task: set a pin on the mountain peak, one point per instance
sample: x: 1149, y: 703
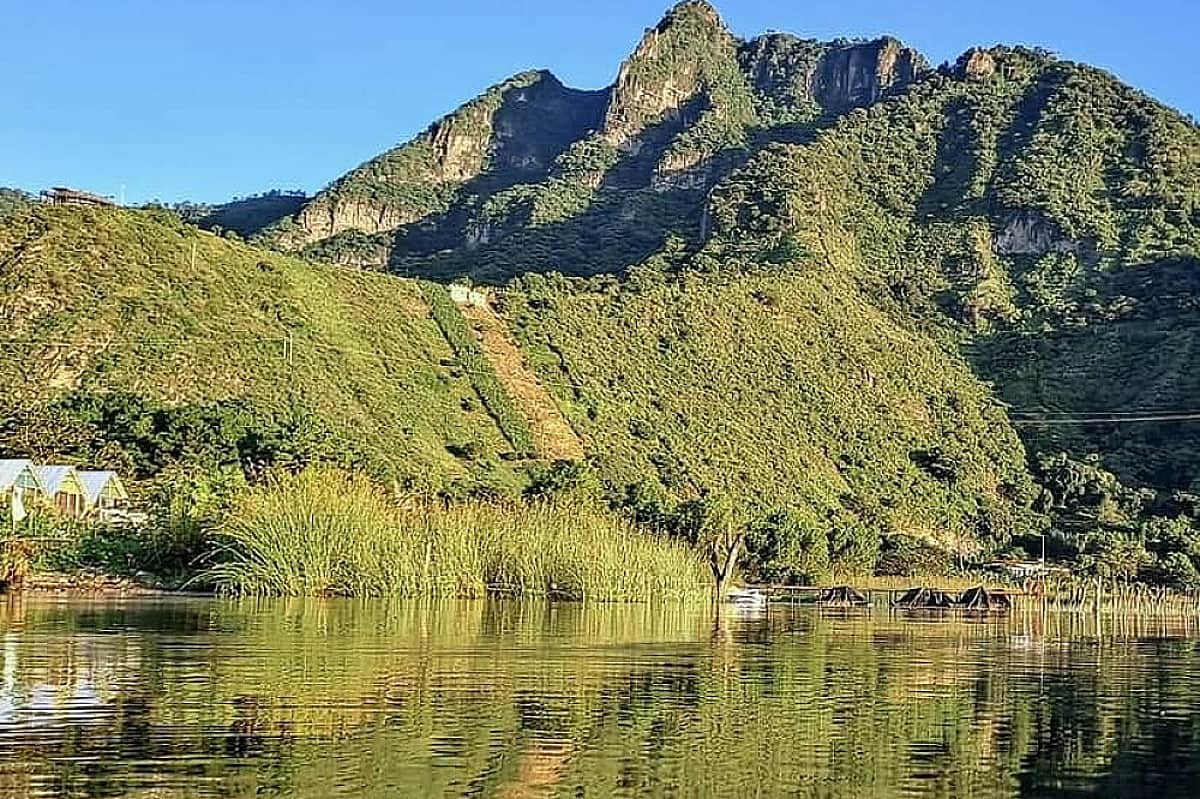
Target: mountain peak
x: 700, y: 10
x: 673, y: 62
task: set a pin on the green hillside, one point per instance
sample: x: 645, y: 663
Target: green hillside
x: 139, y: 342
x: 131, y: 336
x: 784, y: 389
x: 12, y: 200
x: 862, y: 302
x: 248, y: 216
x: 1037, y: 213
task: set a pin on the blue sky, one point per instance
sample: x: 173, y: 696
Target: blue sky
x: 205, y: 100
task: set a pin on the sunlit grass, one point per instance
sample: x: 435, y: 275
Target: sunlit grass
x: 325, y: 533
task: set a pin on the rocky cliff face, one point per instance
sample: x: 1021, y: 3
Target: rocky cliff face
x: 857, y: 75
x: 688, y: 99
x: 330, y: 215
x: 683, y: 56
x: 976, y: 65
x: 1030, y: 233
x: 783, y: 67
x: 511, y: 133
x: 539, y: 122
x: 832, y: 76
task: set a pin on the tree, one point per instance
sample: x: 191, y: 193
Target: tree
x: 712, y: 524
x: 1180, y: 571
x: 1114, y: 556
x: 790, y: 546
x: 1166, y: 535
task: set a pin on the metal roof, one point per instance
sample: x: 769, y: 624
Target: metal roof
x: 94, y: 483
x: 10, y: 470
x: 52, y: 477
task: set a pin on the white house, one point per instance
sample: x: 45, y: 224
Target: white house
x: 18, y: 476
x: 61, y: 486
x: 102, y: 490
x: 465, y: 295
x: 19, y: 484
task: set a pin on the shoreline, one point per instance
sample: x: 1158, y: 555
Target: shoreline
x: 95, y: 583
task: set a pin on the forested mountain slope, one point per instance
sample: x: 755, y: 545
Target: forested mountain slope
x: 533, y: 176
x: 137, y: 341
x: 862, y: 298
x: 1040, y: 215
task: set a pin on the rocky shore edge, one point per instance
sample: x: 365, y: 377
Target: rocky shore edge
x: 89, y: 582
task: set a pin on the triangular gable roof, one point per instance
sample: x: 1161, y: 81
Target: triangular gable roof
x: 94, y: 483
x: 12, y: 468
x: 53, y: 477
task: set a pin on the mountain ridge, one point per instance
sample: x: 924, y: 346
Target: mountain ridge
x: 689, y: 92
x: 869, y: 301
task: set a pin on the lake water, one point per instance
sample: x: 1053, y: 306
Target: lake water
x: 202, y: 697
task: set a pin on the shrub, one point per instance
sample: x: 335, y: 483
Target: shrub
x: 903, y: 556
x: 790, y: 547
x: 1113, y: 555
x: 1179, y: 571
x: 16, y: 561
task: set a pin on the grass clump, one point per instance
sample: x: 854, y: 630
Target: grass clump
x: 326, y: 533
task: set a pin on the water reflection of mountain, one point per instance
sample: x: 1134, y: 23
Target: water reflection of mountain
x: 519, y: 700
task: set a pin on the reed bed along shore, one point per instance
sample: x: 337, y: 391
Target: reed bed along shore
x: 1101, y: 596
x: 324, y: 533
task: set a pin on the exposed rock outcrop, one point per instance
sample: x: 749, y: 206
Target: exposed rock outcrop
x: 1029, y: 233
x: 673, y: 63
x: 510, y: 134
x: 831, y: 76
x: 329, y: 215
x: 783, y: 67
x: 857, y: 75
x: 976, y: 65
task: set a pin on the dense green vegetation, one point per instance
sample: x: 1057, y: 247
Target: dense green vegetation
x: 871, y: 431
x: 12, y: 200
x: 1040, y: 218
x: 869, y: 316
x: 246, y: 216
x: 321, y: 533
x: 135, y: 341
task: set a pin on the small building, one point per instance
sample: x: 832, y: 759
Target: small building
x: 103, y: 490
x: 1020, y: 569
x: 18, y: 476
x: 61, y: 486
x: 62, y: 195
x: 465, y: 295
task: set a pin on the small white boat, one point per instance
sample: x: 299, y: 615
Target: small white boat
x: 747, y: 598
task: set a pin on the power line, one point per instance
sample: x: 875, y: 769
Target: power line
x: 1047, y: 414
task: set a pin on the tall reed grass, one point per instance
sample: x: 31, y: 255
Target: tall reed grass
x: 326, y: 533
